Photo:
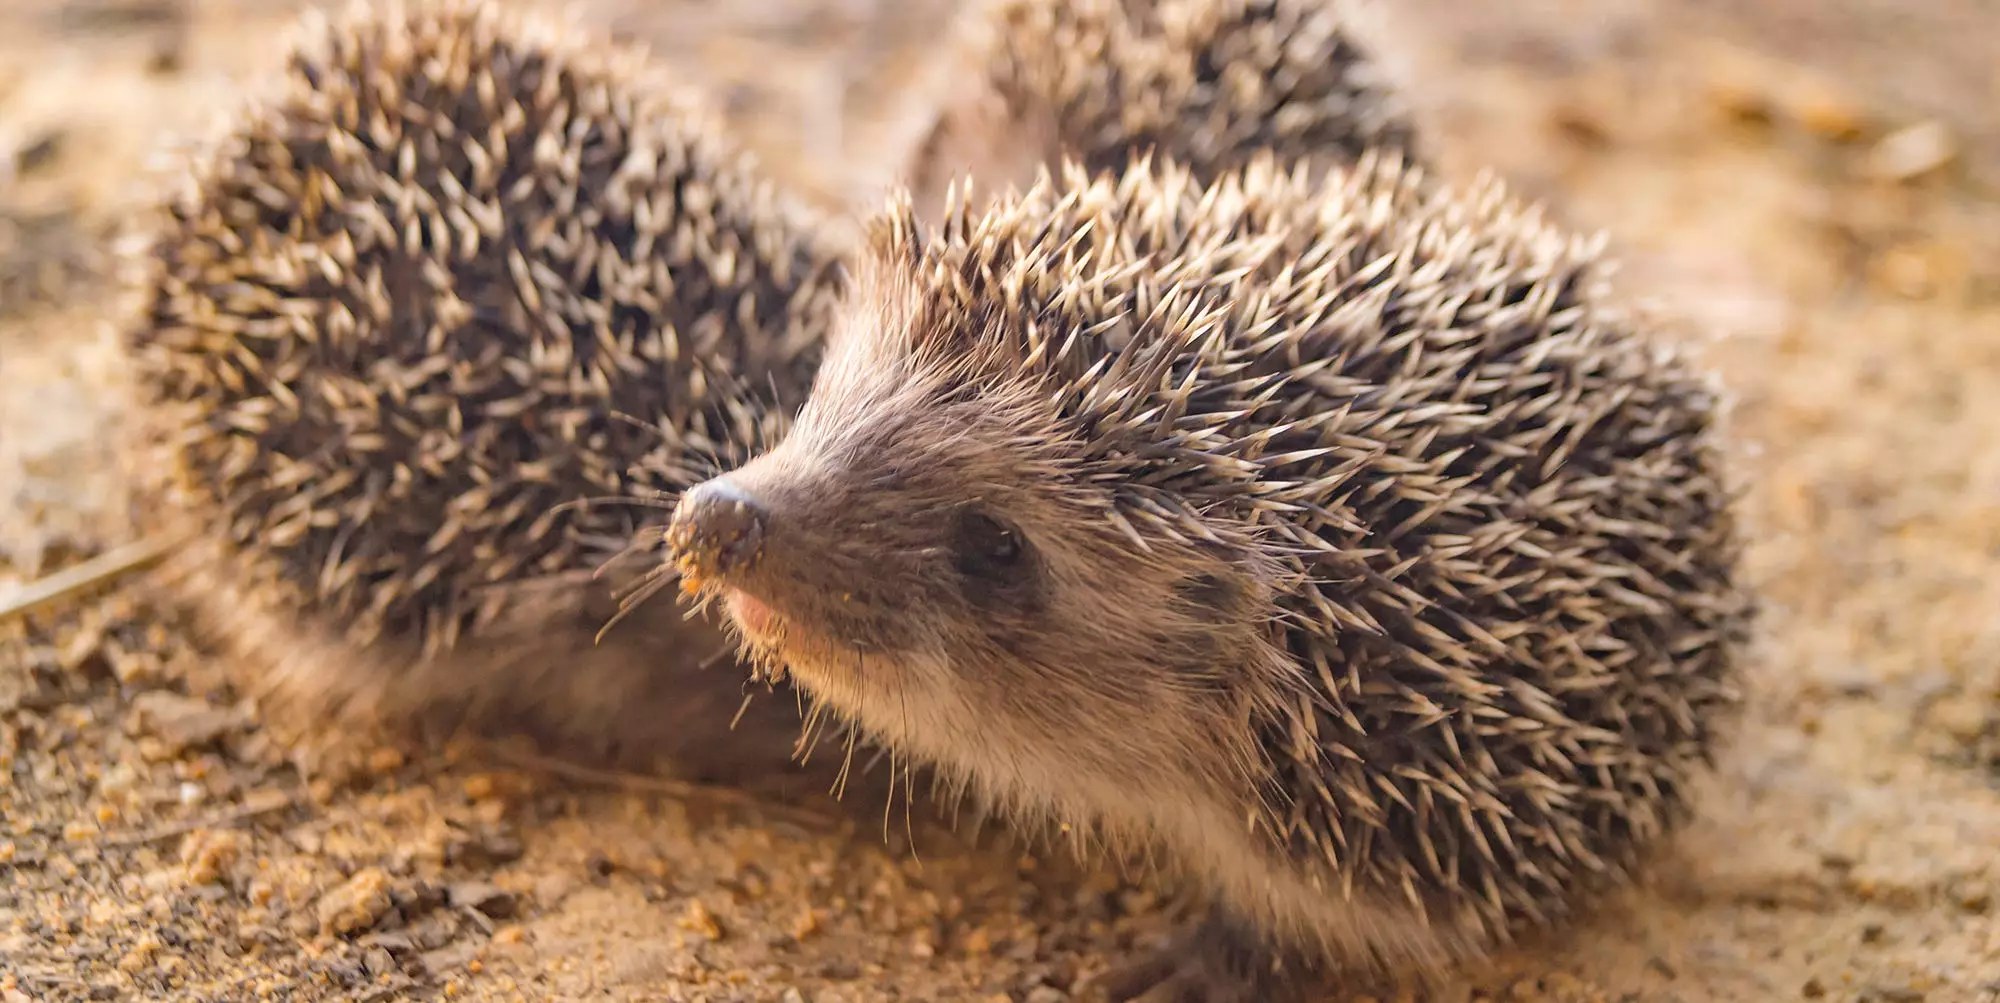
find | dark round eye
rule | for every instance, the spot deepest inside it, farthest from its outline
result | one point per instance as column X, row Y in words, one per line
column 986, row 546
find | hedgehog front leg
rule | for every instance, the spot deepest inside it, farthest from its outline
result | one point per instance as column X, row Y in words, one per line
column 1217, row 959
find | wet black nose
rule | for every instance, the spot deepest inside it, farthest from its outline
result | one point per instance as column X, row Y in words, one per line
column 717, row 531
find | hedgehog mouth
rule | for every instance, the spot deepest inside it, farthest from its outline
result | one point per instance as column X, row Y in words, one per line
column 758, row 621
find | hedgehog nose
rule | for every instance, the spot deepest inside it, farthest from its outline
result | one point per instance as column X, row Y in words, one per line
column 717, row 531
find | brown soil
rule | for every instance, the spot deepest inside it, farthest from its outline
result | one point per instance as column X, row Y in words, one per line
column 1815, row 180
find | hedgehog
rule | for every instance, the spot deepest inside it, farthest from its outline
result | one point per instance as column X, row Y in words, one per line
column 1208, row 83
column 1342, row 546
column 412, row 334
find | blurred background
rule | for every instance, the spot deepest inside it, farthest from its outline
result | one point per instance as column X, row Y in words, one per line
column 1812, row 188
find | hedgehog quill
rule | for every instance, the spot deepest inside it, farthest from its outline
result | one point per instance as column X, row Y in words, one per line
column 1343, row 545
column 458, row 277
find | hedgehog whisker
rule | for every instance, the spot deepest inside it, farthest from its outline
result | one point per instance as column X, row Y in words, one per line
column 633, row 501
column 716, row 659
column 814, row 711
column 634, row 421
column 909, row 780
column 638, row 544
column 648, row 588
column 846, row 767
column 701, row 604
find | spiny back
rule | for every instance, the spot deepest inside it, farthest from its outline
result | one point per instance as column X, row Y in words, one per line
column 458, row 270
column 1512, row 608
column 1207, row 82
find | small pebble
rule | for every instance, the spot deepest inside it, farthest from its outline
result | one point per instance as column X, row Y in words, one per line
column 167, row 59
column 385, row 760
column 1827, row 112
column 487, row 898
column 208, row 854
column 1890, row 994
column 447, row 959
column 377, row 962
column 39, row 152
column 1908, row 272
column 180, row 722
column 397, row 944
column 979, row 941
column 806, row 924
column 551, row 889
column 500, row 845
column 135, row 668
column 140, row 957
column 356, row 905
column 1963, row 719
column 1913, row 151
column 698, row 919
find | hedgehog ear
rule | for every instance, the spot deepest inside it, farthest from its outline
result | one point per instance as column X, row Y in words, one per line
column 1210, row 595
column 1240, row 580
column 1224, row 589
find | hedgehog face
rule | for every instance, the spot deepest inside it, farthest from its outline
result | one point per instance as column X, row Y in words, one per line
column 926, row 554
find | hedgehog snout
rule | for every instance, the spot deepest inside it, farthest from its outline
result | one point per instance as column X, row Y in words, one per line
column 717, row 531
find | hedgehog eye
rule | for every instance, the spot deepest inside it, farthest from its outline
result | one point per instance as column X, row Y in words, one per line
column 986, row 547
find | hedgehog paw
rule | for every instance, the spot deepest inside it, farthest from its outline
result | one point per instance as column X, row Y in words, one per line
column 1213, row 961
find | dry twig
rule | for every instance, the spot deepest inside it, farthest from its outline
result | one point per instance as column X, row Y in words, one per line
column 682, row 789
column 76, row 579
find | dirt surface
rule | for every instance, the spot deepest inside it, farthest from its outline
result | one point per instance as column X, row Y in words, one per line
column 1813, row 180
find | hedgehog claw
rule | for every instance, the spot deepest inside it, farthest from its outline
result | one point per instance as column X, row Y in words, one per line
column 1214, row 961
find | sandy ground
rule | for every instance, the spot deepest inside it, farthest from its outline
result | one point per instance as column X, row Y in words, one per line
column 1814, row 180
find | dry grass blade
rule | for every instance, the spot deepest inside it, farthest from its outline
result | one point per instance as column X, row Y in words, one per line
column 680, row 789
column 100, row 571
column 236, row 816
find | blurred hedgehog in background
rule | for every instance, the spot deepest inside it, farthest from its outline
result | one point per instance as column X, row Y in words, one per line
column 1206, row 84
column 411, row 325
